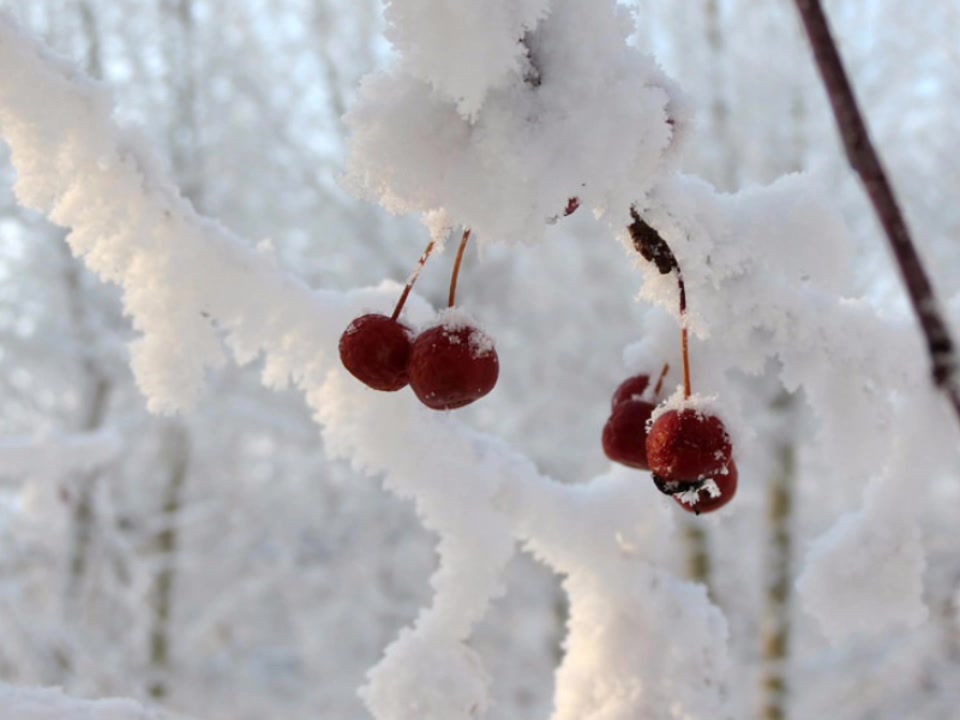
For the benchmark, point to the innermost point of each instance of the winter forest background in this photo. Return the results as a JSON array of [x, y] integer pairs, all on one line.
[[232, 561]]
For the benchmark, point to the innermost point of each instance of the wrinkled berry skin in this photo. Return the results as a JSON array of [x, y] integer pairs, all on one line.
[[706, 503], [686, 446], [376, 349], [625, 434], [629, 388], [452, 366]]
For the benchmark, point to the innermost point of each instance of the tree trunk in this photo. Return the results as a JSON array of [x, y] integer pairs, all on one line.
[[779, 589], [176, 453]]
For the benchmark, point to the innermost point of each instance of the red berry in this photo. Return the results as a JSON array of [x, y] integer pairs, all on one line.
[[686, 446], [451, 366], [628, 389], [375, 349], [625, 434], [726, 484]]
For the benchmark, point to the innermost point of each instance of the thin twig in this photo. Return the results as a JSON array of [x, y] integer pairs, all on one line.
[[456, 267], [413, 279], [865, 162], [663, 375]]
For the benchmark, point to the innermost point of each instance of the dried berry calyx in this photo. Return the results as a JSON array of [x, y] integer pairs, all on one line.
[[376, 349], [712, 494], [648, 242], [687, 446], [453, 364]]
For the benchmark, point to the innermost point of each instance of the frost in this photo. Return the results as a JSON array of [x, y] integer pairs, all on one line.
[[462, 48], [456, 318], [699, 403], [595, 127], [865, 574], [692, 497], [457, 687]]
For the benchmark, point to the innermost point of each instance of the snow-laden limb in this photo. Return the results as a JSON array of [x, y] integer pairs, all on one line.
[[865, 575], [187, 280], [779, 257], [57, 454], [641, 644], [602, 124], [52, 704], [767, 271], [452, 475], [605, 537]]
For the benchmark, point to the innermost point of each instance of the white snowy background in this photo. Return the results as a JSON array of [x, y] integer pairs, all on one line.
[[202, 513]]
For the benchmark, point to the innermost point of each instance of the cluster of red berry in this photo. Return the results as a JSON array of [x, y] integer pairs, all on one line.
[[454, 363], [448, 366], [687, 451]]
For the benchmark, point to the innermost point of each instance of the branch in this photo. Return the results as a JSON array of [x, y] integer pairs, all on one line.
[[865, 162]]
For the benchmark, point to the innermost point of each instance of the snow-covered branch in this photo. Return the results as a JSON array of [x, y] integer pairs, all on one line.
[[52, 704], [57, 453]]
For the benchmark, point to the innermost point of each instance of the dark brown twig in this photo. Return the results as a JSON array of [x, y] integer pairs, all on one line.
[[684, 341], [865, 162], [653, 248]]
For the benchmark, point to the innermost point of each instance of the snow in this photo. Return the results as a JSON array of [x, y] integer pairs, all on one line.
[[865, 575], [692, 497], [706, 405], [457, 318], [595, 127], [608, 539], [458, 686], [455, 132], [58, 454], [461, 48], [52, 704]]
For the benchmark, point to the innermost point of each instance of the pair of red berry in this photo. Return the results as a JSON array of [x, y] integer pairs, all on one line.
[[449, 365], [687, 451]]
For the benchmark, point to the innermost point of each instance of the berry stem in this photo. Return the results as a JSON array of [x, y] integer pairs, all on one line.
[[456, 267], [663, 375], [684, 345], [413, 278]]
